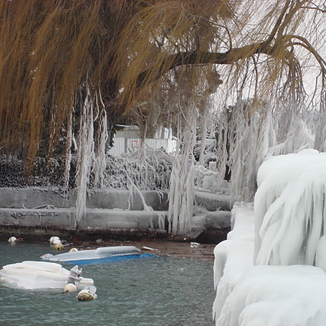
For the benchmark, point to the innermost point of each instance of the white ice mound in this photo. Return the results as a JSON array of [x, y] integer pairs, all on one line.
[[277, 295], [290, 208], [99, 253], [271, 269], [33, 275], [234, 256]]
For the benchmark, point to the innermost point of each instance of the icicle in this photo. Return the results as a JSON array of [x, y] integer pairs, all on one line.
[[100, 159], [204, 121], [66, 176], [160, 215], [159, 166], [320, 143], [250, 137], [134, 187], [250, 150], [85, 154]]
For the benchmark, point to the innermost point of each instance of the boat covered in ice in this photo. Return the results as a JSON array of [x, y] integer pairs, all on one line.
[[98, 256], [34, 275]]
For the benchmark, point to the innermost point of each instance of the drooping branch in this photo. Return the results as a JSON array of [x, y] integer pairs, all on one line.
[[202, 57], [305, 43]]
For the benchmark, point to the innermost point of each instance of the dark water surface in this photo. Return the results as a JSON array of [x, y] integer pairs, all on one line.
[[155, 291]]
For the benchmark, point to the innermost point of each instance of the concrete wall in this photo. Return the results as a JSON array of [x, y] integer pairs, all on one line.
[[107, 210]]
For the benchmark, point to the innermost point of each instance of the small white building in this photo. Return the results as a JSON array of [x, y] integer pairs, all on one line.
[[127, 140]]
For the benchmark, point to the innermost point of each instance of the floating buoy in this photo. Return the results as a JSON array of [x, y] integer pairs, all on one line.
[[194, 244], [59, 246], [73, 249], [12, 239], [87, 294], [70, 288], [55, 240]]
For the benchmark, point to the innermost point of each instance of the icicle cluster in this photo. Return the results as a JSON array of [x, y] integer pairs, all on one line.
[[181, 194], [88, 154], [246, 136], [85, 155], [99, 165], [290, 208], [249, 152], [149, 171]]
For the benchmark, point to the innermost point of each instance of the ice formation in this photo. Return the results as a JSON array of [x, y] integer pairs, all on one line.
[[234, 255], [291, 196], [181, 194], [246, 134], [85, 154], [271, 269], [91, 148], [277, 296]]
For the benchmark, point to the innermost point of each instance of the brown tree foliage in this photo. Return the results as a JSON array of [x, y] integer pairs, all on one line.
[[49, 49], [129, 49]]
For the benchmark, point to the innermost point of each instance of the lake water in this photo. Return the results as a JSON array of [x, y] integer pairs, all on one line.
[[155, 291]]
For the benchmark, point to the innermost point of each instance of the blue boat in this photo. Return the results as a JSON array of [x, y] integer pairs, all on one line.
[[100, 255]]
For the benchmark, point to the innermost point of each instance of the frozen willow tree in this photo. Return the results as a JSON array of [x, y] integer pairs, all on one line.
[[278, 117], [126, 49], [259, 50], [247, 135]]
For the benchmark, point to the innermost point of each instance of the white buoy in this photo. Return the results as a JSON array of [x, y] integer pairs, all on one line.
[[54, 240], [73, 249], [70, 288], [59, 246], [12, 239], [87, 294]]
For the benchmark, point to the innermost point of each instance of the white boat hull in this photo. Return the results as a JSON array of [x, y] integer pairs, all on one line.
[[94, 254], [33, 275]]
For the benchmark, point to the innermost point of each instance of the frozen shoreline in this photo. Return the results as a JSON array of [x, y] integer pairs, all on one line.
[[159, 247], [111, 213]]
